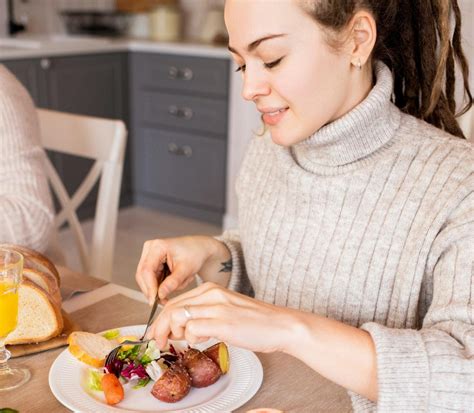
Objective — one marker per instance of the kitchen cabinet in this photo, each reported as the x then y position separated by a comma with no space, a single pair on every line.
94,85
179,124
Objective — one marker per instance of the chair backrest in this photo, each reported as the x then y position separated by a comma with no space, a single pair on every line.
102,140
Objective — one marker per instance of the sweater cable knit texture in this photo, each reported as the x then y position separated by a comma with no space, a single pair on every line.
370,221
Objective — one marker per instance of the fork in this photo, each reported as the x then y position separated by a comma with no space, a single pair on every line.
111,356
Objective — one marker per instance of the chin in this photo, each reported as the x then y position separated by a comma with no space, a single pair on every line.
284,139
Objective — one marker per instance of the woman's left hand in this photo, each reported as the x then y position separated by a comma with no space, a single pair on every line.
214,311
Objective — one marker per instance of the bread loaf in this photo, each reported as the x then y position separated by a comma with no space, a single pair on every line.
39,319
39,312
35,260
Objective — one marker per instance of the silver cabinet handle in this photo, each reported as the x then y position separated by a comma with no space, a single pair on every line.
45,64
173,72
180,74
187,73
185,150
183,113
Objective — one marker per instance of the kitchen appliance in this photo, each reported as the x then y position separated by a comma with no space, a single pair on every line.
94,22
13,26
139,25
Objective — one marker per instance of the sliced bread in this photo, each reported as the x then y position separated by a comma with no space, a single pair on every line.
39,318
46,281
89,348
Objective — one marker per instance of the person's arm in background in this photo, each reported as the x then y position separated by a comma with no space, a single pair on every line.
26,212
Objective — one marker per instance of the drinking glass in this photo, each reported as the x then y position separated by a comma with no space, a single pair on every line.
11,269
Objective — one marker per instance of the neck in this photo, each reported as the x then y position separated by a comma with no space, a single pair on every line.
362,83
357,135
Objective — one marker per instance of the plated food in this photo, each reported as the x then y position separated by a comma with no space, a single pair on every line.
69,381
170,374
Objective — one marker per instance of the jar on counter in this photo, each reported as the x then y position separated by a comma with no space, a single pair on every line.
165,23
139,26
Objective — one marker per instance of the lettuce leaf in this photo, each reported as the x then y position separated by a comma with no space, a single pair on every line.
151,353
130,354
111,334
94,379
142,383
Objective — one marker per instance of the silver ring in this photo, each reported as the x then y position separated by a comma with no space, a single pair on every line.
187,313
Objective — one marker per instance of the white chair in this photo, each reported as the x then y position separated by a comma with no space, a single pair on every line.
102,140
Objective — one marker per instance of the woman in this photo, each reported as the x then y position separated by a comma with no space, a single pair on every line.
26,207
356,214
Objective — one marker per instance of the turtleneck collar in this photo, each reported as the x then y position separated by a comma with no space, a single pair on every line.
355,137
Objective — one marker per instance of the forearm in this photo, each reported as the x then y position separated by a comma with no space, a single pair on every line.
218,266
339,352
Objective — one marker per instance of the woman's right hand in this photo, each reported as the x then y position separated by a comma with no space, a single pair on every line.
185,257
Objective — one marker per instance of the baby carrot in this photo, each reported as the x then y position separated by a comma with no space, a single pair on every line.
112,388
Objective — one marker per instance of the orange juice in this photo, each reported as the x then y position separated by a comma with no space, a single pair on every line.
8,308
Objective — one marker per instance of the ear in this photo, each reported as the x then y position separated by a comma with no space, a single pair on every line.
363,33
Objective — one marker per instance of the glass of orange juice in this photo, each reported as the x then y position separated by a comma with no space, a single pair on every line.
11,269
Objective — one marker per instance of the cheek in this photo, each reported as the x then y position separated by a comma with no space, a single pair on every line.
315,94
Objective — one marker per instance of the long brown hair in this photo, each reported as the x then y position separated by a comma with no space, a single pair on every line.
414,40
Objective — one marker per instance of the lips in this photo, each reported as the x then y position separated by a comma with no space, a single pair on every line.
273,116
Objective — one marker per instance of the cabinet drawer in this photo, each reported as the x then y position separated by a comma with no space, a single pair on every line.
183,167
193,113
181,73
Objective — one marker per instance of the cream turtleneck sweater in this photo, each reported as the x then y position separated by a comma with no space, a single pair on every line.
26,213
370,221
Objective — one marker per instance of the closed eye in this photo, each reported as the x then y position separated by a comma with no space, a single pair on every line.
267,65
273,64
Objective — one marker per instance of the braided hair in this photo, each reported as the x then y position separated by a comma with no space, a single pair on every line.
414,40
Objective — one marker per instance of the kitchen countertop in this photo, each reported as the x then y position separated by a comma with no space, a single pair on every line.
61,45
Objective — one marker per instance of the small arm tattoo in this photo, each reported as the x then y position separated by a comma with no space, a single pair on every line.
226,266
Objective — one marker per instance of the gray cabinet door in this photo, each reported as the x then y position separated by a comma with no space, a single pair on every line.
28,73
88,85
91,85
198,114
182,167
94,85
186,74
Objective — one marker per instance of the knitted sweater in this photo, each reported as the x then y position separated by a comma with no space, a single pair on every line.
26,214
370,221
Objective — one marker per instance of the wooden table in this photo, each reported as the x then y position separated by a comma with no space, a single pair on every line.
288,384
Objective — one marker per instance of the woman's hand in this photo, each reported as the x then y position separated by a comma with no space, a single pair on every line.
213,311
185,257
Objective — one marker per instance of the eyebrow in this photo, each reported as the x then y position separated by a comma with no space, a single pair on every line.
252,46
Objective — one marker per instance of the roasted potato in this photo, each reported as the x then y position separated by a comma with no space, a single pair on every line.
201,368
173,385
219,354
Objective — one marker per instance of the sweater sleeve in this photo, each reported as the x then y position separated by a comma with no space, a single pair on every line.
26,213
239,280
432,369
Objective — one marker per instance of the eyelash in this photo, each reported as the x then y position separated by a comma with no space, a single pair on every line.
267,65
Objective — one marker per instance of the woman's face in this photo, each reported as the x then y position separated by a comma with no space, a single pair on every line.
297,81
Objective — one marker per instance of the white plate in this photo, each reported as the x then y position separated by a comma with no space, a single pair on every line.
67,378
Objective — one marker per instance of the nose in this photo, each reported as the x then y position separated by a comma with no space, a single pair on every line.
255,85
